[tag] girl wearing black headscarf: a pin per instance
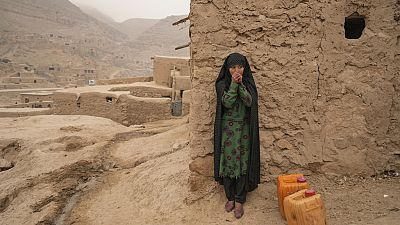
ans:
(236, 138)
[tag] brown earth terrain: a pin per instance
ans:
(48, 33)
(90, 170)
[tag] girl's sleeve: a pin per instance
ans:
(245, 95)
(229, 97)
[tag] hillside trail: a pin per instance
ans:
(151, 187)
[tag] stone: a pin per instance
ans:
(266, 138)
(283, 144)
(278, 134)
(5, 165)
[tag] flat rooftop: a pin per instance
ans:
(29, 90)
(172, 57)
(38, 93)
(120, 88)
(13, 110)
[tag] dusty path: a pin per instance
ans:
(154, 190)
(88, 170)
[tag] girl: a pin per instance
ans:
(236, 138)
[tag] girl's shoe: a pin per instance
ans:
(229, 206)
(239, 211)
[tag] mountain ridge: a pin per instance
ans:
(44, 33)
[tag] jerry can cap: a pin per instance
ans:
(309, 192)
(301, 180)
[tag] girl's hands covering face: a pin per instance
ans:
(237, 73)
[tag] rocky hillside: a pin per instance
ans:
(44, 16)
(149, 36)
(131, 27)
(136, 26)
(42, 33)
(162, 38)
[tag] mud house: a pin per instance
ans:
(117, 105)
(36, 97)
(163, 65)
(13, 97)
(132, 100)
(174, 72)
(25, 67)
(123, 80)
(24, 79)
(327, 76)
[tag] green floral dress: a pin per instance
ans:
(235, 131)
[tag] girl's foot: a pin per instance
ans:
(229, 206)
(239, 211)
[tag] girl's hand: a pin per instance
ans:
(237, 78)
(240, 80)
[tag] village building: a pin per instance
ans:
(163, 65)
(133, 100)
(36, 97)
(27, 98)
(24, 79)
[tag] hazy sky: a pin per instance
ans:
(121, 10)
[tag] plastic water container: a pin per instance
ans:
(176, 108)
(287, 185)
(305, 207)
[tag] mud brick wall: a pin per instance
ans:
(327, 104)
(125, 109)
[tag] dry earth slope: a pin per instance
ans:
(89, 170)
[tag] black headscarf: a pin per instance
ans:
(221, 84)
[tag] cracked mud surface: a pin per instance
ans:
(121, 175)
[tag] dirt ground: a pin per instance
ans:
(87, 170)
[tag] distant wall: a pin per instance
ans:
(26, 78)
(124, 80)
(124, 109)
(182, 83)
(6, 86)
(141, 110)
(32, 97)
(8, 98)
(147, 91)
(21, 112)
(163, 66)
(151, 92)
(186, 99)
(12, 96)
(32, 105)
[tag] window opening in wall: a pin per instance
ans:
(26, 100)
(34, 81)
(354, 26)
(109, 99)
